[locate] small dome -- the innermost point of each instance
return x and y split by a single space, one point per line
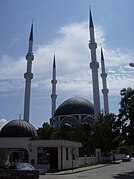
18 128
75 105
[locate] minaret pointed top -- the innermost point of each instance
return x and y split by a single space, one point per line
31 33
54 62
91 20
102 57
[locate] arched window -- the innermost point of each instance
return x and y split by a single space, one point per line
54 122
69 120
89 119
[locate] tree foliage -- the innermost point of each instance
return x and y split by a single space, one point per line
105 133
126 115
47 132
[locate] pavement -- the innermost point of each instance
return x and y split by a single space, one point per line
81 169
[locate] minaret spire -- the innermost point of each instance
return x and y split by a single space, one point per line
31 33
28 77
105 91
94 65
91 21
54 81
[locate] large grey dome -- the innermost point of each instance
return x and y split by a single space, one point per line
75 105
18 128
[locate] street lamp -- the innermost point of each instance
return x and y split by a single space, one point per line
131 64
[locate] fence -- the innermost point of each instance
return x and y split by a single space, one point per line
103 159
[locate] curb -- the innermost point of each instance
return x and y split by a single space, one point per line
82 169
79 170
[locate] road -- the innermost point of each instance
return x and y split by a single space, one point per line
122 170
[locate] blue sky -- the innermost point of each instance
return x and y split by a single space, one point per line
61 27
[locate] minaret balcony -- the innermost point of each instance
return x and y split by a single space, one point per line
92 45
29 57
105 91
54 81
53 96
94 65
103 75
28 76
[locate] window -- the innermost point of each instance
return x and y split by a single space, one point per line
43 155
73 153
66 153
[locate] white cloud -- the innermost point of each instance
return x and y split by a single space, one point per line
77 84
3 122
13 42
72 61
118 58
11 68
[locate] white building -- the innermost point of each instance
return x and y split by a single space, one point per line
19 142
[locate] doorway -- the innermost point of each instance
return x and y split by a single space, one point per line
53 153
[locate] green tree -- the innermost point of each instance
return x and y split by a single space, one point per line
126 115
106 133
47 132
65 132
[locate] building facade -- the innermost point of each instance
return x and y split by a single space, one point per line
42 154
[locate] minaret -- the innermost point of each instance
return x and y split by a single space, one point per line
28 76
105 91
94 65
53 96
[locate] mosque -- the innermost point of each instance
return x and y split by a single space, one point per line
19 139
79 110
